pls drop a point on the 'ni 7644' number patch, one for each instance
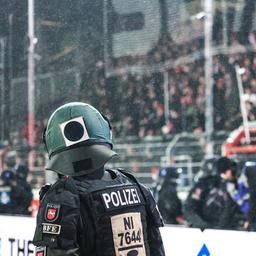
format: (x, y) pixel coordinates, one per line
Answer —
(128, 234)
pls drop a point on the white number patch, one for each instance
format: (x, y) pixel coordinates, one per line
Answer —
(128, 234)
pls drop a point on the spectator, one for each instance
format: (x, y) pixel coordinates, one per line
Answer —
(245, 195)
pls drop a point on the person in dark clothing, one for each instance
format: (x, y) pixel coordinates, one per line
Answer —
(92, 210)
(209, 203)
(15, 192)
(8, 193)
(24, 195)
(168, 202)
(250, 172)
(246, 194)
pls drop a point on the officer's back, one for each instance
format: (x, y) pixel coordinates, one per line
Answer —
(91, 210)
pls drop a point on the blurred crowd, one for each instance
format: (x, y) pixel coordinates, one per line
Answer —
(134, 102)
(223, 196)
(140, 96)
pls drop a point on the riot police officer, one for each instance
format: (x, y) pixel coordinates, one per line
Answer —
(24, 190)
(209, 203)
(168, 201)
(91, 210)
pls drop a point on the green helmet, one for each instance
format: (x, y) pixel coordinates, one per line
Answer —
(78, 139)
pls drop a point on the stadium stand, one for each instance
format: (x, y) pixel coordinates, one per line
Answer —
(133, 99)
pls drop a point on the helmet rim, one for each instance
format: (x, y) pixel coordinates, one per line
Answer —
(81, 160)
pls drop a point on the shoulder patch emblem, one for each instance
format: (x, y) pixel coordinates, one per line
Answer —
(52, 212)
(40, 251)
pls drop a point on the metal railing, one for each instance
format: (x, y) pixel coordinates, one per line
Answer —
(145, 158)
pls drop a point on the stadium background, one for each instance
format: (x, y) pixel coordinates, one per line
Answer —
(142, 63)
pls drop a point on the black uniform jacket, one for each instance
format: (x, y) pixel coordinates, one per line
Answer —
(112, 216)
(209, 205)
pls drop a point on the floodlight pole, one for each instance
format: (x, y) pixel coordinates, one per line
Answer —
(166, 97)
(224, 22)
(242, 105)
(2, 88)
(31, 80)
(209, 112)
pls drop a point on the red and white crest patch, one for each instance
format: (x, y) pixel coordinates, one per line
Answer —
(52, 212)
(41, 251)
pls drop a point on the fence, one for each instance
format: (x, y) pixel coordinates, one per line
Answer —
(144, 158)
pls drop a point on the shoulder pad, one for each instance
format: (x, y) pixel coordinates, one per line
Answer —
(126, 173)
(151, 206)
(83, 186)
(44, 190)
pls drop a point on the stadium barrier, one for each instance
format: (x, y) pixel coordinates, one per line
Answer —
(16, 234)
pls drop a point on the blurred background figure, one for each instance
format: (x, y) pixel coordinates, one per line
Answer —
(20, 168)
(10, 160)
(25, 191)
(209, 203)
(16, 191)
(169, 204)
(245, 195)
(4, 148)
(208, 168)
(7, 192)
